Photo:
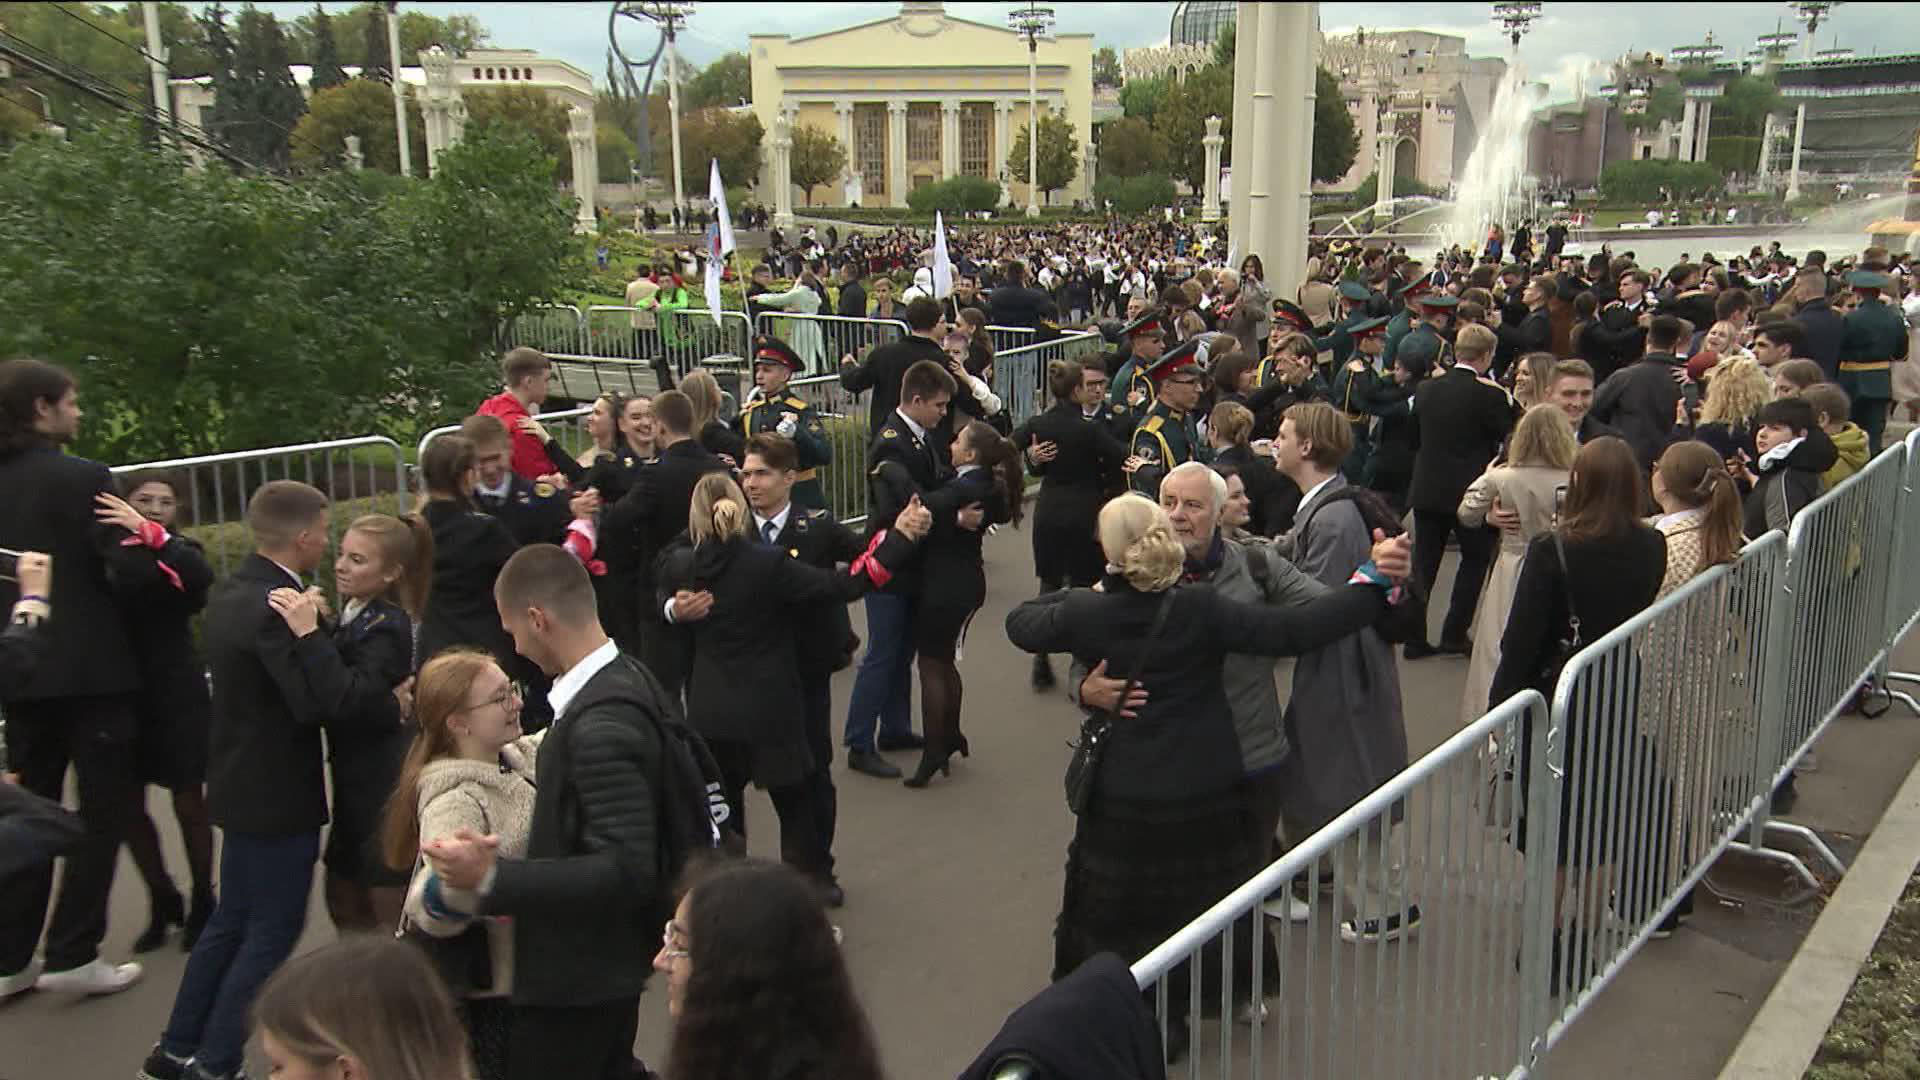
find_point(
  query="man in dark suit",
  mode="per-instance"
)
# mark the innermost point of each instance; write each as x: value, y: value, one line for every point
x: 1015, y: 303
x: 883, y: 685
x: 1622, y: 332
x: 852, y: 301
x: 1534, y: 331
x: 1823, y: 326
x: 886, y: 364
x: 1460, y: 420
x: 535, y: 512
x: 276, y: 678
x: 77, y: 707
x: 586, y: 898
x: 1641, y: 399
x: 649, y: 516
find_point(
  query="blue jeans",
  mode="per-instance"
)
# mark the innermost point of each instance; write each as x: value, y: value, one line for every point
x: 883, y: 686
x: 264, y: 882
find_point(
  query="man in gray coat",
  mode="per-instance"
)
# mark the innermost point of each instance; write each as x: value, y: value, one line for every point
x: 1344, y: 719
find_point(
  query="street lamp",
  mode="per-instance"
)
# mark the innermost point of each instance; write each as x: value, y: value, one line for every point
x: 1516, y: 19
x: 669, y: 15
x: 1032, y: 22
x: 1811, y: 12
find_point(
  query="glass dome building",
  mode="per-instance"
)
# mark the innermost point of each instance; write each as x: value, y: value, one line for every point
x: 1200, y: 23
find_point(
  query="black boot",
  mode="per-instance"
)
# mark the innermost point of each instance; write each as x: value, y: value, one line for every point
x: 197, y: 916
x: 1042, y: 673
x: 936, y: 758
x: 168, y: 910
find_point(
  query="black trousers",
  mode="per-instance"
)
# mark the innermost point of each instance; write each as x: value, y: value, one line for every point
x: 1430, y: 531
x: 96, y: 736
x: 809, y: 809
x: 581, y: 1042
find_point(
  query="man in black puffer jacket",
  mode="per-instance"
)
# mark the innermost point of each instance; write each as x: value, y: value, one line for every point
x: 585, y: 899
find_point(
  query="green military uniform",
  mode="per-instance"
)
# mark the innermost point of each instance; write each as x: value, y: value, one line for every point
x: 1875, y: 336
x: 1353, y: 394
x: 767, y: 415
x: 1133, y: 374
x: 1164, y: 439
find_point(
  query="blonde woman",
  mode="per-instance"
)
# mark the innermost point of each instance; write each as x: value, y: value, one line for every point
x: 1736, y: 388
x: 1532, y: 374
x: 709, y: 430
x: 1538, y: 459
x: 1161, y: 836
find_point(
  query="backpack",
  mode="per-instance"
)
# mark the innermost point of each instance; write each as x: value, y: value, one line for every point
x: 1405, y: 621
x: 694, y: 816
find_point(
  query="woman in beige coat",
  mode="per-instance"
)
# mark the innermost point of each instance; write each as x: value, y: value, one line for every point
x: 469, y: 768
x: 1528, y: 484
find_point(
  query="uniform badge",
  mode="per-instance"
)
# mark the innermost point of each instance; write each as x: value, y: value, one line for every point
x: 795, y: 552
x: 889, y: 433
x: 543, y: 490
x: 1148, y: 455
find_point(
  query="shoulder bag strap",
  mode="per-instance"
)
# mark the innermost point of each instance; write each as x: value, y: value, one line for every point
x: 1566, y: 585
x: 1146, y: 649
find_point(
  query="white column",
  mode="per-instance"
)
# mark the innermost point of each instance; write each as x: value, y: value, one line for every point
x: 1706, y: 130
x: 436, y: 103
x: 1799, y: 134
x: 1294, y: 197
x: 1247, y: 19
x: 843, y: 113
x: 586, y: 171
x: 1766, y: 145
x: 356, y: 158
x: 1268, y: 128
x: 157, y: 63
x: 896, y: 152
x: 1387, y: 161
x: 949, y: 139
x: 1002, y: 146
x: 1033, y: 132
x: 1267, y: 165
x: 1210, y: 204
x: 1689, y: 125
x: 399, y: 89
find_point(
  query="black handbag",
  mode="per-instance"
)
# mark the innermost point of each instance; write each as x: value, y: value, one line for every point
x: 465, y: 960
x: 1083, y: 769
x: 1571, y: 642
x: 34, y: 830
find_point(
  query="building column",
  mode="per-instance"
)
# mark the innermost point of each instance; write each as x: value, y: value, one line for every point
x: 843, y: 113
x: 1689, y: 126
x: 1002, y: 146
x: 1705, y: 134
x: 1210, y: 203
x: 949, y: 139
x: 782, y: 171
x: 586, y: 169
x: 1386, y: 161
x: 1799, y: 135
x: 1766, y: 145
x: 896, y: 152
x: 1275, y: 178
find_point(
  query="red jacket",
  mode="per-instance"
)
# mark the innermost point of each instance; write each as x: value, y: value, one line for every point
x: 529, y: 455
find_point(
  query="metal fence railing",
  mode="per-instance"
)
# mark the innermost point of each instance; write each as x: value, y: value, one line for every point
x: 1903, y: 606
x: 365, y: 475
x: 1435, y: 839
x: 845, y: 418
x: 1010, y: 337
x: 567, y: 426
x: 1020, y: 375
x: 823, y: 340
x: 550, y: 328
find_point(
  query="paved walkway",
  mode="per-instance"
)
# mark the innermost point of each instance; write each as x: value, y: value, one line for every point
x: 953, y: 891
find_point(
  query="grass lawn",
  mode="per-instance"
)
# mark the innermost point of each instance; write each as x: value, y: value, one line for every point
x: 1875, y: 1035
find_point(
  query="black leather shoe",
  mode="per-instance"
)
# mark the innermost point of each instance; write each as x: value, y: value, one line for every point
x: 909, y: 741
x: 1455, y: 648
x: 1418, y: 650
x: 871, y: 763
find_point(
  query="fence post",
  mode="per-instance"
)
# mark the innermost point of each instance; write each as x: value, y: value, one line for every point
x: 1546, y: 769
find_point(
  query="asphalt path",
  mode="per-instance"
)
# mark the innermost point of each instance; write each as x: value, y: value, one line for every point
x: 952, y: 893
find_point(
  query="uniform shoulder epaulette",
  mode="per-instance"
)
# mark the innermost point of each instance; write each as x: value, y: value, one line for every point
x: 816, y: 514
x: 1153, y: 423
x: 796, y: 402
x: 889, y: 433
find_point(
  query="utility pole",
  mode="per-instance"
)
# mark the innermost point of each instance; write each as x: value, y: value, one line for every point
x: 157, y: 64
x: 399, y: 87
x: 1031, y: 22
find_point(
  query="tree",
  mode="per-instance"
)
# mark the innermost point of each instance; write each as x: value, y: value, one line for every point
x: 357, y: 107
x: 1744, y: 103
x: 1135, y: 194
x: 327, y: 71
x: 817, y: 158
x: 955, y: 195
x: 1645, y: 180
x: 617, y: 154
x: 187, y: 54
x: 1142, y: 98
x: 1182, y: 122
x: 1130, y: 147
x: 458, y: 34
x: 1336, y: 141
x: 268, y: 103
x: 733, y: 139
x: 1059, y: 154
x: 1106, y: 66
x: 524, y: 108
x: 726, y: 82
x: 1223, y: 48
x: 376, y: 62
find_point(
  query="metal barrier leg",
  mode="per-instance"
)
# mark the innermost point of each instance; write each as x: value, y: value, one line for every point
x: 1889, y: 677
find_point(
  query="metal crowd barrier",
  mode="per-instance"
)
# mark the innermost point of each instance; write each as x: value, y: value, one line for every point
x: 1010, y: 337
x: 1903, y: 606
x: 845, y: 417
x: 569, y: 426
x: 1020, y: 375
x: 550, y: 328
x: 689, y: 336
x: 822, y: 340
x: 1451, y: 999
x: 365, y: 475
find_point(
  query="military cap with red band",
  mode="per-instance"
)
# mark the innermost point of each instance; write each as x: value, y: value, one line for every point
x: 768, y: 349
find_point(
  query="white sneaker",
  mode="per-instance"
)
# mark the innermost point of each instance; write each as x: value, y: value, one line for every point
x: 1244, y: 1014
x: 20, y: 981
x: 98, y: 977
x: 1289, y: 908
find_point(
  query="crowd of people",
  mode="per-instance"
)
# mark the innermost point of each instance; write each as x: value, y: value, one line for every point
x: 519, y: 717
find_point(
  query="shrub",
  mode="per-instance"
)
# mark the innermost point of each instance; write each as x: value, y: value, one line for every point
x: 1642, y: 181
x: 961, y: 194
x: 1135, y: 194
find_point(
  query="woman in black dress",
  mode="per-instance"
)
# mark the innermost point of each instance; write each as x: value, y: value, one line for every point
x: 1271, y: 496
x: 1075, y: 453
x: 1165, y: 833
x: 381, y: 576
x: 174, y: 706
x: 987, y: 474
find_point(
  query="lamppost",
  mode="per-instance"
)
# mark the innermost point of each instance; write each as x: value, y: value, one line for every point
x: 1369, y: 62
x: 399, y: 87
x: 669, y: 15
x: 1516, y: 18
x: 1032, y: 22
x: 1811, y: 12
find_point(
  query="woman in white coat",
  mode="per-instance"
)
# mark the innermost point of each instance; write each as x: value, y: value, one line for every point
x: 802, y: 334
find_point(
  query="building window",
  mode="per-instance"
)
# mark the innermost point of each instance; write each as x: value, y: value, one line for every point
x: 923, y: 131
x: 870, y: 147
x: 976, y: 139
x: 476, y: 74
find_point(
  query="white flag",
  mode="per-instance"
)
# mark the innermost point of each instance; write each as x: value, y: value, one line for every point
x: 717, y: 192
x: 719, y: 241
x: 942, y: 264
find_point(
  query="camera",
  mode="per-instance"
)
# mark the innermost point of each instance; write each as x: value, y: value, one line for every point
x: 9, y: 564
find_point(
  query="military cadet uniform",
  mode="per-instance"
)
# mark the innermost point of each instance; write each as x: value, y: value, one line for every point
x: 1132, y: 374
x: 1167, y: 437
x: 1353, y: 394
x: 534, y: 511
x: 1405, y: 318
x: 1874, y: 337
x: 1340, y: 339
x: 1424, y: 349
x: 785, y: 413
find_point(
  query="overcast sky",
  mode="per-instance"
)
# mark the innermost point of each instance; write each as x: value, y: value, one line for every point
x: 1568, y: 37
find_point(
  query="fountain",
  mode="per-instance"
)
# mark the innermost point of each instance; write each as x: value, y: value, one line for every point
x: 1493, y: 188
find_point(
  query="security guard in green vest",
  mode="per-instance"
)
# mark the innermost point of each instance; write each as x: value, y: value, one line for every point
x: 1874, y: 337
x: 1354, y: 384
x: 774, y: 407
x: 1169, y: 435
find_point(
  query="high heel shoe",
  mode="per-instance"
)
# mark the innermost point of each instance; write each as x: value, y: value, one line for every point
x: 197, y: 916
x: 935, y: 759
x: 168, y: 910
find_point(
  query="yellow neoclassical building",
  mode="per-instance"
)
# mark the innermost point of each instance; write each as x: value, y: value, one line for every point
x: 921, y: 97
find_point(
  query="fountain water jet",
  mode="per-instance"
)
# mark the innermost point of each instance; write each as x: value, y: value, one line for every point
x: 1493, y: 187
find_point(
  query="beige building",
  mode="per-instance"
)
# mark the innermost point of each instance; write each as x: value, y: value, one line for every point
x: 918, y: 98
x: 1439, y: 100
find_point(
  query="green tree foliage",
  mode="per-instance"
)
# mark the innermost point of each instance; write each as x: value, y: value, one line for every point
x: 1643, y: 181
x: 817, y: 158
x: 247, y: 311
x: 1106, y: 66
x: 1142, y: 98
x: 524, y: 108
x: 958, y: 195
x: 1336, y: 141
x: 733, y: 139
x: 1223, y: 47
x: 326, y: 52
x: 1734, y: 153
x: 617, y: 154
x: 357, y: 107
x: 264, y: 102
x: 1666, y: 101
x: 180, y: 28
x: 1130, y: 147
x: 1744, y: 104
x: 726, y: 82
x: 110, y: 56
x: 1059, y: 154
x: 1135, y: 194
x: 1182, y: 122
x: 419, y: 28
x: 376, y: 61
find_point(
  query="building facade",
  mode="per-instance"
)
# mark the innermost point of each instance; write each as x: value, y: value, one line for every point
x: 921, y: 97
x: 1423, y: 88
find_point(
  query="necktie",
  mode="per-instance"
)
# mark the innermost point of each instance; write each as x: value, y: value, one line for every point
x: 767, y: 531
